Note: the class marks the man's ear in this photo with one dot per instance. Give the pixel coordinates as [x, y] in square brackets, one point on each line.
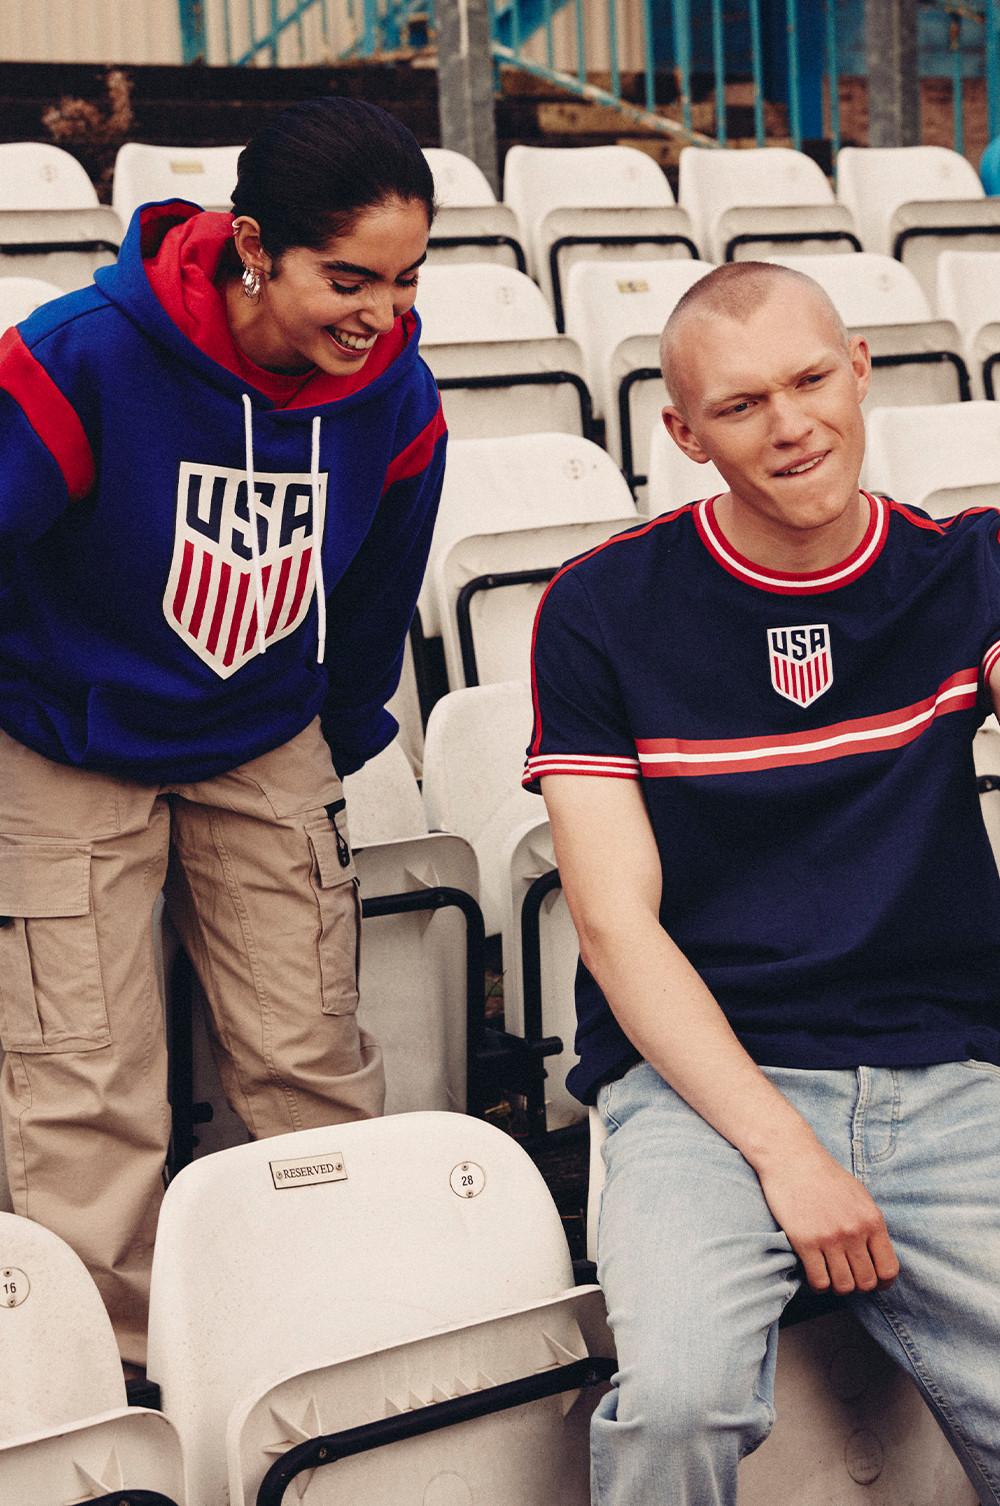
[676, 426]
[861, 364]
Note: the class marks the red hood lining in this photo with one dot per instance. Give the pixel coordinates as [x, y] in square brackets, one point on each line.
[184, 252]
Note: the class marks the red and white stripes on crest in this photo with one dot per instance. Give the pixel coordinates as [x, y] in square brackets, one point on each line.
[215, 603]
[667, 757]
[606, 767]
[802, 682]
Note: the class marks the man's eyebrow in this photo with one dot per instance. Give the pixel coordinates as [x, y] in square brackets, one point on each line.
[350, 266]
[820, 360]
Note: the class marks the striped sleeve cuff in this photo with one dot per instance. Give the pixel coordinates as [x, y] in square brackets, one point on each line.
[990, 659]
[603, 766]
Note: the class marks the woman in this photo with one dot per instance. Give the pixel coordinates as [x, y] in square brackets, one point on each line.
[221, 466]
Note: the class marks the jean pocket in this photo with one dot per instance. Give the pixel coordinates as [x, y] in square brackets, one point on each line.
[990, 1068]
[338, 897]
[51, 990]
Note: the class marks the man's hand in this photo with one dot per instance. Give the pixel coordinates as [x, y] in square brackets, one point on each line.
[832, 1223]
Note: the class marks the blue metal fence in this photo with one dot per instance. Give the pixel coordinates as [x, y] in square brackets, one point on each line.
[792, 53]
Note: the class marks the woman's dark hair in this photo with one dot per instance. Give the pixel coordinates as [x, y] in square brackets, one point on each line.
[307, 176]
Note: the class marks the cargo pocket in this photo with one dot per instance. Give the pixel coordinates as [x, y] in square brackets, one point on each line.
[336, 885]
[51, 991]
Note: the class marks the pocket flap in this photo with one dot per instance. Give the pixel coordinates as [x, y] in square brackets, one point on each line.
[40, 882]
[327, 850]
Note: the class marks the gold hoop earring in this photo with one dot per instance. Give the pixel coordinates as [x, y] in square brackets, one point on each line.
[251, 283]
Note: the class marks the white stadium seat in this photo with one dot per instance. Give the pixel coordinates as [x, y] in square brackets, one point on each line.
[586, 203]
[916, 358]
[490, 339]
[476, 742]
[674, 480]
[51, 224]
[359, 1276]
[21, 296]
[35, 175]
[913, 202]
[488, 588]
[748, 204]
[383, 800]
[472, 777]
[63, 247]
[523, 481]
[616, 311]
[852, 1429]
[469, 224]
[916, 452]
[968, 293]
[65, 1427]
[144, 174]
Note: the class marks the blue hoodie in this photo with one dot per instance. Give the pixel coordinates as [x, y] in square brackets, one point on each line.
[145, 628]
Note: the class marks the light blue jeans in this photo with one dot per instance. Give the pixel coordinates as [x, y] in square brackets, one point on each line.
[696, 1272]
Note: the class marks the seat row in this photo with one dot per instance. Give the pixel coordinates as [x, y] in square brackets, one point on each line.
[386, 1312]
[561, 204]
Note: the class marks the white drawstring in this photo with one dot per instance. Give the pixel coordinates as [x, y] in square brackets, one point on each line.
[258, 580]
[319, 518]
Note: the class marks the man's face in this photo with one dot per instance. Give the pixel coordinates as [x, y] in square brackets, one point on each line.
[775, 402]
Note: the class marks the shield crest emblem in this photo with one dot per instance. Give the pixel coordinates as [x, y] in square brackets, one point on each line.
[801, 662]
[210, 597]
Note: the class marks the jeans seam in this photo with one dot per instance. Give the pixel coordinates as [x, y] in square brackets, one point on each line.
[905, 1340]
[884, 1155]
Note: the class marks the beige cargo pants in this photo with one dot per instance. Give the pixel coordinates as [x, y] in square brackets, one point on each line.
[260, 884]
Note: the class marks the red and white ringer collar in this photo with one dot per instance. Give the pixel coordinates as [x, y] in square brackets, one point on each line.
[787, 582]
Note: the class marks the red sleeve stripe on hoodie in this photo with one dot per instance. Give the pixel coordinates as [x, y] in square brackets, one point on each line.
[49, 413]
[417, 454]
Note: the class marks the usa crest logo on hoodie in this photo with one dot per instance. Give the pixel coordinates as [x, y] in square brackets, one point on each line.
[211, 595]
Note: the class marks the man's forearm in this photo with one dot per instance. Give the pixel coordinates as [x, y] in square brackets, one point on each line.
[672, 1018]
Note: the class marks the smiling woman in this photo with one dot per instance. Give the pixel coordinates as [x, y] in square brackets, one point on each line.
[221, 467]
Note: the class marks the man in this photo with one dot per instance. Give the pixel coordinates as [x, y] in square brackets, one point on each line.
[788, 910]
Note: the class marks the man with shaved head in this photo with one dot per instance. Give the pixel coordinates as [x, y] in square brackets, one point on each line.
[753, 732]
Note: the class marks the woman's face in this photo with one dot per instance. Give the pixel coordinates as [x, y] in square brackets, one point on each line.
[327, 308]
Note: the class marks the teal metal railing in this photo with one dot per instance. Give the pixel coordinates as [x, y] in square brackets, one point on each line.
[663, 63]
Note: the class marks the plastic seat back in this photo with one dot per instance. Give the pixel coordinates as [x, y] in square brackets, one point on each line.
[915, 451]
[606, 302]
[383, 801]
[874, 181]
[867, 288]
[145, 174]
[21, 296]
[489, 586]
[308, 1248]
[470, 226]
[35, 175]
[473, 757]
[59, 1356]
[461, 304]
[968, 293]
[714, 184]
[674, 480]
[60, 246]
[458, 181]
[496, 485]
[538, 179]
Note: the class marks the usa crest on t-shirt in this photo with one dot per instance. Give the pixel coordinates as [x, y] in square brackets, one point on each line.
[801, 662]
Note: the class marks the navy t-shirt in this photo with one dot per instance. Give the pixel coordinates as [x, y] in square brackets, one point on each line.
[804, 744]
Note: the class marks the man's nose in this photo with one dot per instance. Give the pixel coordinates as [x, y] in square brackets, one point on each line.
[790, 423]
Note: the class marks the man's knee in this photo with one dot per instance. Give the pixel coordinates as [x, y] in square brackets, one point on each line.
[708, 1413]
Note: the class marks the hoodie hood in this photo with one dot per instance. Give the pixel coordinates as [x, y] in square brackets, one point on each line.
[169, 280]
